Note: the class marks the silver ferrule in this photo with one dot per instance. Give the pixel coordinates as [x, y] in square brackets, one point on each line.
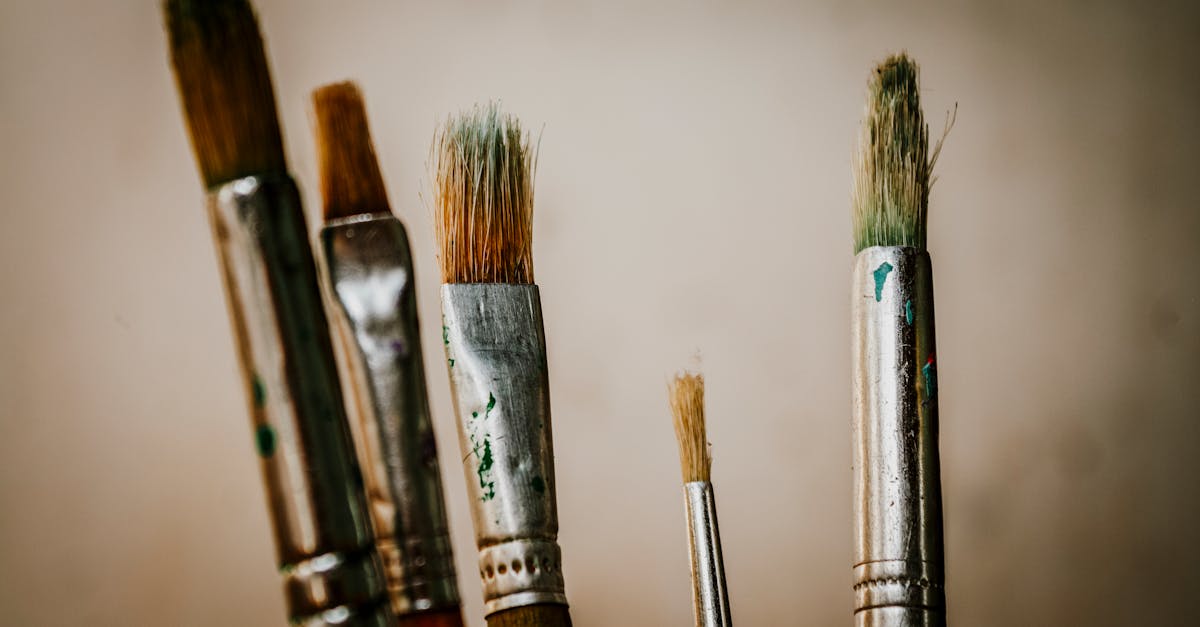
[369, 269]
[710, 599]
[898, 557]
[332, 573]
[496, 355]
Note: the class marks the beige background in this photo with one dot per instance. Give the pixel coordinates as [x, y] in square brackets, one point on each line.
[693, 195]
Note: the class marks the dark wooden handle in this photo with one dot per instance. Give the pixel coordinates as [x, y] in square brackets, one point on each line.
[532, 616]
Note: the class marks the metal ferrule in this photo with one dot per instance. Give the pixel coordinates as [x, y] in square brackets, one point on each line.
[332, 574]
[709, 596]
[370, 273]
[898, 563]
[496, 355]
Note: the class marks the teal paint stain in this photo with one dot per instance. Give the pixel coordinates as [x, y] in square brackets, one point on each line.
[474, 414]
[485, 466]
[538, 484]
[881, 274]
[264, 440]
[258, 391]
[491, 404]
[929, 373]
[445, 335]
[451, 362]
[908, 312]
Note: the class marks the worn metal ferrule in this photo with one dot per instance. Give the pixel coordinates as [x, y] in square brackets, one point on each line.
[370, 274]
[709, 595]
[332, 574]
[898, 557]
[496, 355]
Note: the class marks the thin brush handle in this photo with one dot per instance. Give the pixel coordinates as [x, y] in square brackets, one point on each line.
[709, 595]
[314, 487]
[370, 272]
[451, 617]
[898, 557]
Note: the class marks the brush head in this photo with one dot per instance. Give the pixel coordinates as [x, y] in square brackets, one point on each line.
[892, 167]
[221, 71]
[351, 183]
[686, 392]
[484, 167]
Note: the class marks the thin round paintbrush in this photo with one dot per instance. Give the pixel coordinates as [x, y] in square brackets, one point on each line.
[371, 280]
[496, 355]
[898, 557]
[332, 573]
[710, 598]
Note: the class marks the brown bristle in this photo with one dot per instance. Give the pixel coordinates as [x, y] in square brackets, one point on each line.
[483, 187]
[221, 71]
[351, 183]
[687, 408]
[532, 616]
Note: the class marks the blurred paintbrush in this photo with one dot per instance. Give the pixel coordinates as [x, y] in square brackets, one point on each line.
[369, 271]
[318, 510]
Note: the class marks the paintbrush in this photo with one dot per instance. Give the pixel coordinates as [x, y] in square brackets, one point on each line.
[371, 281]
[332, 573]
[898, 557]
[710, 599]
[496, 354]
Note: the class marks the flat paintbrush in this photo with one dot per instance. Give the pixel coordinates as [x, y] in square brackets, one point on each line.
[898, 557]
[369, 271]
[496, 355]
[710, 598]
[323, 538]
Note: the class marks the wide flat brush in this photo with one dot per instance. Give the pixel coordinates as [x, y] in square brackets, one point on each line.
[898, 549]
[332, 574]
[710, 597]
[496, 355]
[369, 271]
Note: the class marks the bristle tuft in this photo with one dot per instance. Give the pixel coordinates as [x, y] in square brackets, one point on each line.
[351, 183]
[225, 85]
[483, 170]
[892, 168]
[687, 407]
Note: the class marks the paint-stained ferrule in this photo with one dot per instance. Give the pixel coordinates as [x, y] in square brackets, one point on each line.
[898, 551]
[332, 573]
[710, 598]
[370, 276]
[496, 356]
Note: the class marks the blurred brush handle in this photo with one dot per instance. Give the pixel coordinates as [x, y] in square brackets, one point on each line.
[496, 355]
[370, 274]
[898, 557]
[332, 574]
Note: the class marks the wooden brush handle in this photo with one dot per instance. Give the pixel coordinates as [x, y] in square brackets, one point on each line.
[439, 618]
[532, 616]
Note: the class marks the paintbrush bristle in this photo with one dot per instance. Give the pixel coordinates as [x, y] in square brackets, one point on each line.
[221, 71]
[483, 170]
[687, 407]
[893, 165]
[351, 183]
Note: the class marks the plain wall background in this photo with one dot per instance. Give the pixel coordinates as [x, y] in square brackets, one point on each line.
[693, 194]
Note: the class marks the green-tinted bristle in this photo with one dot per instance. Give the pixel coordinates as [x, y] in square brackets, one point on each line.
[484, 167]
[893, 165]
[225, 85]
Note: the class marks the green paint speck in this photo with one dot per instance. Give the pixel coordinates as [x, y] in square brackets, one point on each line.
[485, 466]
[539, 485]
[451, 363]
[908, 311]
[490, 405]
[445, 335]
[929, 372]
[881, 274]
[259, 391]
[264, 439]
